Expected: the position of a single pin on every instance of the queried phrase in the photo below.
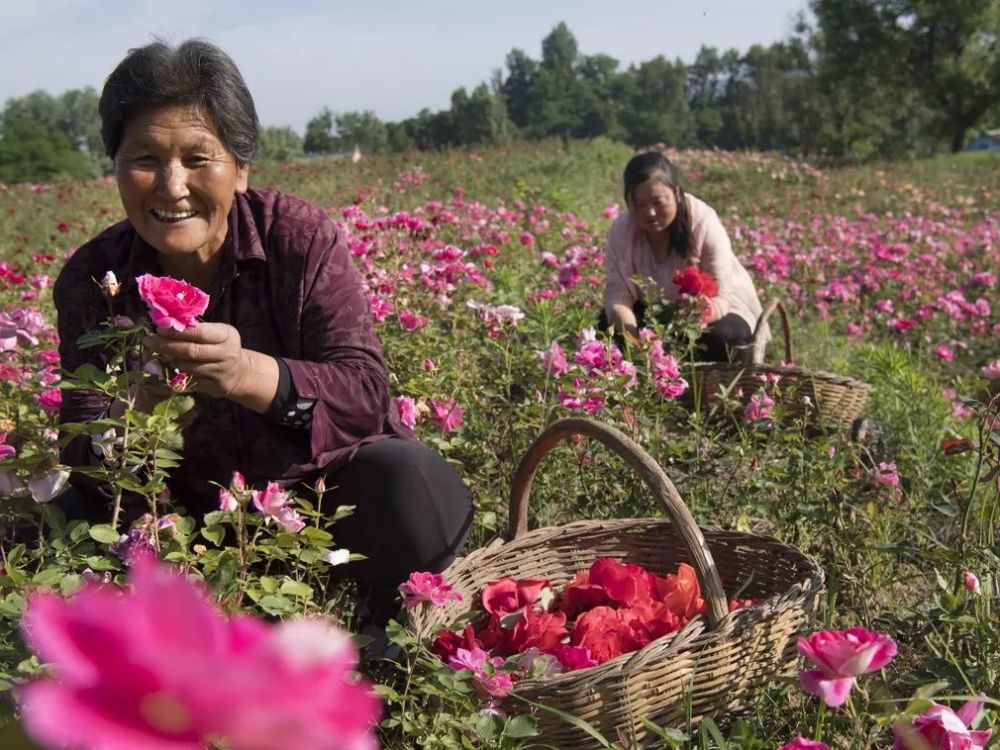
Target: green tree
(361, 130)
(280, 144)
(45, 136)
(656, 108)
(520, 89)
(557, 86)
(29, 153)
(954, 55)
(319, 134)
(480, 117)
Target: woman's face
(177, 181)
(653, 206)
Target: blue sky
(389, 56)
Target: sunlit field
(484, 274)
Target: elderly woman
(664, 232)
(289, 373)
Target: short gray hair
(196, 73)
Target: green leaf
(930, 689)
(276, 605)
(71, 584)
(713, 729)
(317, 535)
(214, 534)
(521, 726)
(296, 588)
(104, 533)
(569, 718)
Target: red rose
(603, 632)
(696, 283)
(655, 619)
(626, 583)
(533, 629)
(580, 594)
(681, 592)
(507, 595)
(445, 645)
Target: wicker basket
(837, 400)
(713, 665)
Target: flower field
(484, 274)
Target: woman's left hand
(211, 353)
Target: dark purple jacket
(288, 285)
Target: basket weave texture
(713, 665)
(837, 400)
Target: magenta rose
(941, 727)
(842, 655)
(172, 303)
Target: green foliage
(280, 144)
(45, 137)
(319, 138)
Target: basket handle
(654, 477)
(758, 334)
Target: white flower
(336, 556)
(47, 486)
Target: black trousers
(728, 339)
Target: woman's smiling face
(653, 206)
(177, 181)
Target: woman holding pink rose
(676, 242)
(287, 371)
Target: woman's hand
(211, 353)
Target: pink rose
(801, 743)
(940, 728)
(842, 655)
(411, 321)
(172, 303)
(406, 408)
(128, 667)
(50, 400)
(447, 415)
(427, 587)
(271, 500)
(554, 360)
(971, 582)
(227, 501)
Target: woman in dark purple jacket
(289, 373)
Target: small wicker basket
(713, 665)
(836, 400)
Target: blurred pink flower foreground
(157, 666)
(172, 303)
(842, 655)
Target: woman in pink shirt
(665, 231)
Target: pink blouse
(627, 255)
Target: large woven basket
(834, 401)
(713, 665)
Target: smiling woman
(287, 370)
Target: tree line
(856, 80)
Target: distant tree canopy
(857, 80)
(42, 137)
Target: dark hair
(652, 165)
(196, 73)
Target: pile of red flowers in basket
(528, 629)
